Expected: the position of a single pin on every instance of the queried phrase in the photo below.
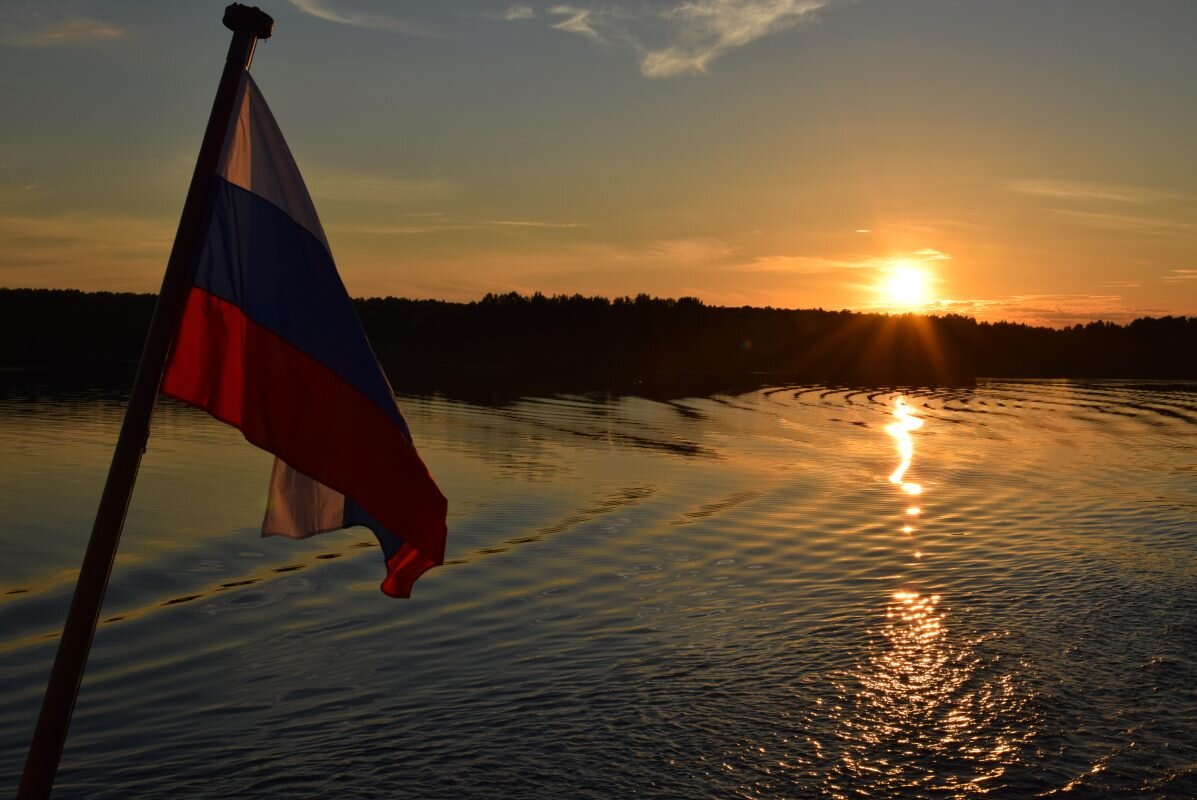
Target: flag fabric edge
(306, 386)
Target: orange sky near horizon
(1015, 161)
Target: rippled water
(735, 596)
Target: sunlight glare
(906, 286)
(900, 430)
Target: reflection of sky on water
(715, 598)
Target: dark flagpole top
(248, 19)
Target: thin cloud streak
(1050, 310)
(396, 230)
(515, 13)
(807, 265)
(697, 250)
(814, 265)
(337, 185)
(1126, 222)
(325, 11)
(1083, 191)
(37, 29)
(931, 254)
(120, 251)
(527, 223)
(685, 37)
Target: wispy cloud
(435, 222)
(1051, 310)
(127, 232)
(691, 251)
(931, 254)
(1126, 222)
(518, 12)
(806, 265)
(683, 37)
(1178, 275)
(531, 223)
(360, 188)
(1114, 207)
(813, 265)
(344, 13)
(926, 228)
(28, 25)
(121, 252)
(682, 255)
(577, 20)
(1084, 191)
(397, 230)
(706, 29)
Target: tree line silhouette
(522, 344)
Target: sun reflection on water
(900, 430)
(925, 712)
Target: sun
(905, 286)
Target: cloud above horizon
(531, 223)
(344, 13)
(1050, 310)
(47, 25)
(667, 37)
(123, 252)
(1087, 191)
(682, 38)
(814, 264)
(378, 190)
(518, 12)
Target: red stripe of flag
(291, 405)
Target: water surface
(733, 596)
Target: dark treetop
(516, 344)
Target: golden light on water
(922, 695)
(905, 422)
(900, 430)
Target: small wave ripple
(727, 596)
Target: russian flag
(270, 344)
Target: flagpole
(248, 26)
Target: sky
(1015, 159)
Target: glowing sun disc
(906, 286)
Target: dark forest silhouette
(514, 343)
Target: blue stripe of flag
(283, 278)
